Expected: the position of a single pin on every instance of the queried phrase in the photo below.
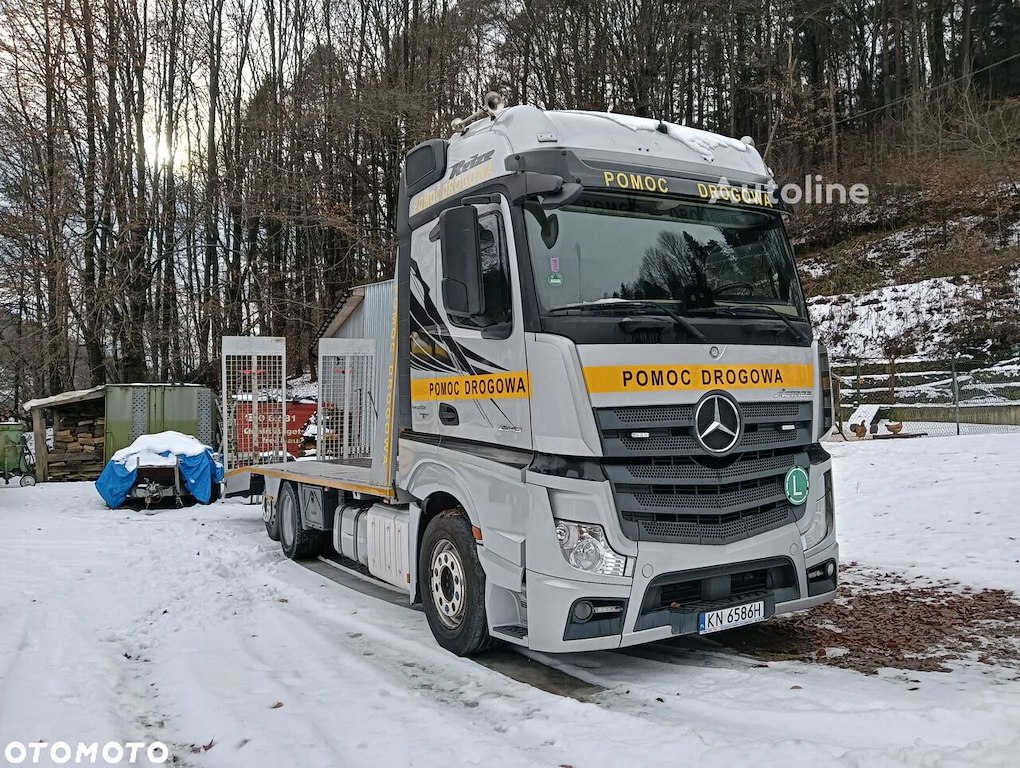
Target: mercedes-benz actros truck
(597, 407)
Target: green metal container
(12, 458)
(144, 409)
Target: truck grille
(713, 529)
(668, 489)
(668, 430)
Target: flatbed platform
(328, 474)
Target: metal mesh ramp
(254, 402)
(347, 413)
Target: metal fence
(884, 398)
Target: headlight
(584, 546)
(822, 519)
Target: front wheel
(452, 583)
(27, 480)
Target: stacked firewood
(78, 449)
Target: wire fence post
(857, 397)
(892, 381)
(956, 394)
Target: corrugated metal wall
(373, 319)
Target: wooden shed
(77, 423)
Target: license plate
(727, 618)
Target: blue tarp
(198, 472)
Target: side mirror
(462, 261)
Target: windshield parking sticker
(660, 378)
(555, 278)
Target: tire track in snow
(362, 682)
(640, 686)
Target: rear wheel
(453, 585)
(298, 543)
(270, 518)
(27, 480)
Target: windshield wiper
(745, 310)
(624, 304)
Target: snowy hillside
(190, 627)
(919, 319)
(915, 276)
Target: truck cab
(606, 368)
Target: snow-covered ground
(189, 627)
(944, 507)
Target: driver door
(486, 398)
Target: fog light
(822, 572)
(583, 611)
(822, 578)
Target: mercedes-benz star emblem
(717, 423)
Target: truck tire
(298, 543)
(453, 585)
(271, 518)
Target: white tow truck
(587, 411)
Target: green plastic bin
(12, 453)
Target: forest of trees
(175, 170)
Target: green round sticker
(555, 279)
(797, 485)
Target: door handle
(448, 415)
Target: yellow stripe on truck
(486, 386)
(664, 378)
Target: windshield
(691, 257)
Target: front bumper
(551, 599)
(772, 564)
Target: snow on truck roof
(659, 144)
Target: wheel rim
(268, 511)
(446, 581)
(287, 519)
